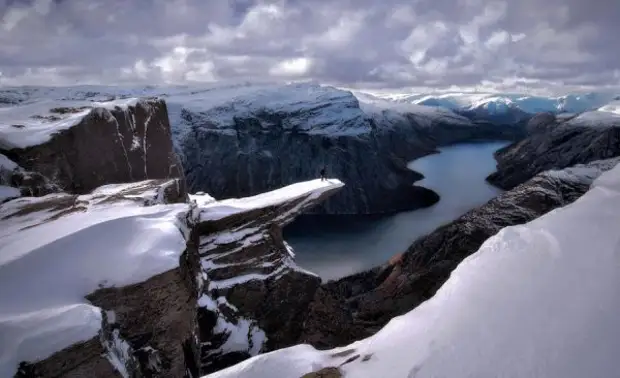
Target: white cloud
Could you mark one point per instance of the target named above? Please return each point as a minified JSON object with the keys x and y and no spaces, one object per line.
{"x":291,"y":67}
{"x":393,"y":43}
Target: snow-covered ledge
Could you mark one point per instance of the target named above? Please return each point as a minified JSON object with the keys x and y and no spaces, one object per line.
{"x":536,"y":300}
{"x":109,"y":280}
{"x":57,"y":249}
{"x":246,"y":271}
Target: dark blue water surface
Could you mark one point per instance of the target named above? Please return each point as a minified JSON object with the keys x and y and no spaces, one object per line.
{"x":336,"y":248}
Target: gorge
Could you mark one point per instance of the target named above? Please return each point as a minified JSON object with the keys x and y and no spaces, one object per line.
{"x":333,"y":247}
{"x":197,"y":283}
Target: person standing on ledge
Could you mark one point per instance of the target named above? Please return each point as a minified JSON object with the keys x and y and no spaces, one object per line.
{"x":323,"y":174}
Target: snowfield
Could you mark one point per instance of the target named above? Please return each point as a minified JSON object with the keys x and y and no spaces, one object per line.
{"x":56,"y":249}
{"x":536,"y":300}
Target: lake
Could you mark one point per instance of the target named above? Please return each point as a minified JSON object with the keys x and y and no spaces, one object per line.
{"x":334,"y":248}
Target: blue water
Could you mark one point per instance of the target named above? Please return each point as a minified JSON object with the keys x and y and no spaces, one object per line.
{"x":334,"y":249}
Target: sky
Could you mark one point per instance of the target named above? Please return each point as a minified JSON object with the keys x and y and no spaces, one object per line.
{"x":524,"y":45}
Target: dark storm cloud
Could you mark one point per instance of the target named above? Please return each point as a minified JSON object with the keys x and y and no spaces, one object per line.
{"x":394,"y":43}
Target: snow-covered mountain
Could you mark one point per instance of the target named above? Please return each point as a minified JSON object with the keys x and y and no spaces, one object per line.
{"x":498,"y":103}
{"x":130,"y":277}
{"x":327,"y":109}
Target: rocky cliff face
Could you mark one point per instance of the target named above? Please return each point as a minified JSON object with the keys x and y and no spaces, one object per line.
{"x":80,"y":146}
{"x":252,"y":297}
{"x":372,"y":298}
{"x":554,"y":143}
{"x":235,"y":291}
{"x":248,"y":145}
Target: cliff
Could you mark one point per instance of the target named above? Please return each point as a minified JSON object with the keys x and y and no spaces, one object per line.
{"x":374,"y":297}
{"x":81,"y":145}
{"x":140,"y":283}
{"x":242,"y":139}
{"x":260,"y":138}
{"x":252,"y":296}
{"x":557,"y":142}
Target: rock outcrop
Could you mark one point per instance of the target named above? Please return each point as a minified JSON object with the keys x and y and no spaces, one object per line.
{"x":235,"y":291}
{"x":143,"y":325}
{"x":555,"y":142}
{"x":252,"y":297}
{"x":79,"y":146}
{"x":374,"y":297}
{"x":22,"y":182}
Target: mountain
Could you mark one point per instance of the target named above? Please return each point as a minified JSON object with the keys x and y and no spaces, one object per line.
{"x":243,"y":139}
{"x":498,"y":103}
{"x":109,"y":266}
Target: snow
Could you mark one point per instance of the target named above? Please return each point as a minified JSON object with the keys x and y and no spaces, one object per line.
{"x":536,"y":300}
{"x":499,"y":103}
{"x":377,"y":106}
{"x":310,"y":107}
{"x":48,"y":265}
{"x":612,"y":107}
{"x":8,"y":192}
{"x":6,"y":163}
{"x":222,"y":209}
{"x":33,"y":123}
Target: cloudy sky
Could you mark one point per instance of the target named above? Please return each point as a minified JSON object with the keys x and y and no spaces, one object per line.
{"x":529,"y":45}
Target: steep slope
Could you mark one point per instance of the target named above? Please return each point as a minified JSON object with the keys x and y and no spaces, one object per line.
{"x":80,"y":145}
{"x":408,"y":279}
{"x":555,"y":143}
{"x":132,"y":280}
{"x":518,"y":307}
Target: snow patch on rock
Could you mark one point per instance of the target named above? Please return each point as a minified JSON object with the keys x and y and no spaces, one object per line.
{"x":32,"y":124}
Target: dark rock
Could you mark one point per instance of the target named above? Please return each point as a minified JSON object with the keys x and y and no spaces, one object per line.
{"x":554,"y":143}
{"x":106,"y":146}
{"x":329,"y":322}
{"x":329,"y":372}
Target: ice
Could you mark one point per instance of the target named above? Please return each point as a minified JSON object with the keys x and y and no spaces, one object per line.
{"x":47,"y":266}
{"x":536,"y":300}
{"x":33,"y":123}
{"x":221,"y":209}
